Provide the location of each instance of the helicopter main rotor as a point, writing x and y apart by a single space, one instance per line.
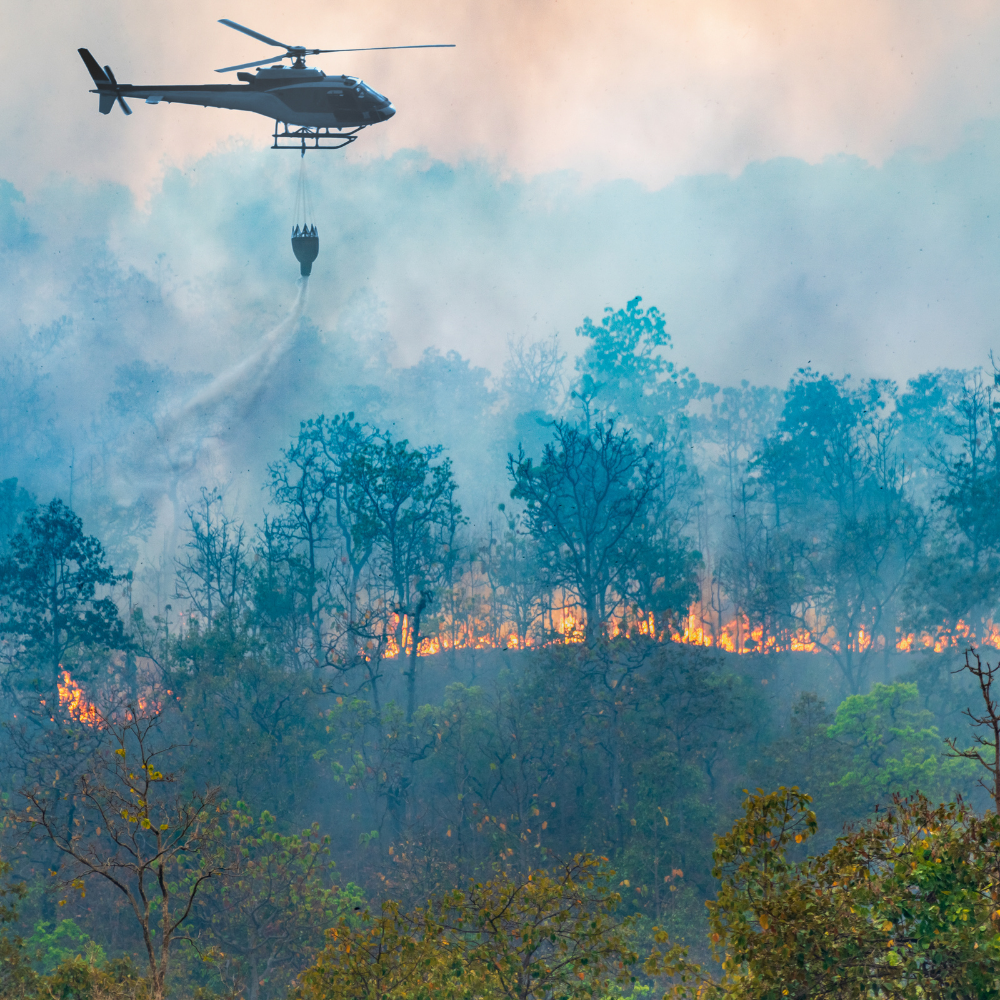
298 53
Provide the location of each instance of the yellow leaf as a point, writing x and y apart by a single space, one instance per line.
764 920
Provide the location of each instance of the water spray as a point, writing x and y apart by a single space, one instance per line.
305 239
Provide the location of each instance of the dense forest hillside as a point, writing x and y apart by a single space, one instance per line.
226 728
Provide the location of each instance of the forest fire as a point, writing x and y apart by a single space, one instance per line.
737 635
74 703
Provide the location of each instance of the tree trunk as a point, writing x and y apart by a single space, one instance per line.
352 622
411 674
254 984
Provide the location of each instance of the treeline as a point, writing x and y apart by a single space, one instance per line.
849 517
853 519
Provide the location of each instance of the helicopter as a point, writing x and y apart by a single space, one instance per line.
310 109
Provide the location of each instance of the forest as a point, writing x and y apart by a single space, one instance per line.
522 687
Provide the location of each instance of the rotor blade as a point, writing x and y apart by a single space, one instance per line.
252 33
259 62
111 76
124 106
378 48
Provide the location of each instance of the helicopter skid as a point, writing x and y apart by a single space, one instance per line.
313 137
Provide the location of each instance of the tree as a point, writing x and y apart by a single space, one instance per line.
213 575
986 752
626 376
844 529
585 504
412 513
623 359
303 484
246 707
952 422
267 912
125 822
392 956
549 933
343 440
553 932
364 519
18 978
327 525
532 374
745 571
894 746
511 566
972 470
902 907
49 584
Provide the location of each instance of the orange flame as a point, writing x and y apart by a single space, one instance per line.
698 627
74 702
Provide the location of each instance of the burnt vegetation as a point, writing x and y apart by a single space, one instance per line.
378 740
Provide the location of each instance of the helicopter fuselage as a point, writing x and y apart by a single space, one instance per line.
293 95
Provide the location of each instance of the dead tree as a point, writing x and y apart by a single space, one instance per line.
986 751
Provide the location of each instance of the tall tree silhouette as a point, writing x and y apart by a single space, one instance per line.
49 604
585 501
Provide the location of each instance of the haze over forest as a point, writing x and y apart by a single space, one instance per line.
565 502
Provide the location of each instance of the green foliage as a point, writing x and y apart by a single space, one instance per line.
49 584
836 529
81 978
624 348
55 943
270 899
122 823
262 741
895 748
552 933
69 974
17 975
555 933
903 907
585 506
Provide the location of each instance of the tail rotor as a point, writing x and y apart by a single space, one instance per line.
108 87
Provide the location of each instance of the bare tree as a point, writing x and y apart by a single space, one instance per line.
533 373
212 575
125 821
986 751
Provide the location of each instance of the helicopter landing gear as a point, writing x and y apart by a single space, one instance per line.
309 137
